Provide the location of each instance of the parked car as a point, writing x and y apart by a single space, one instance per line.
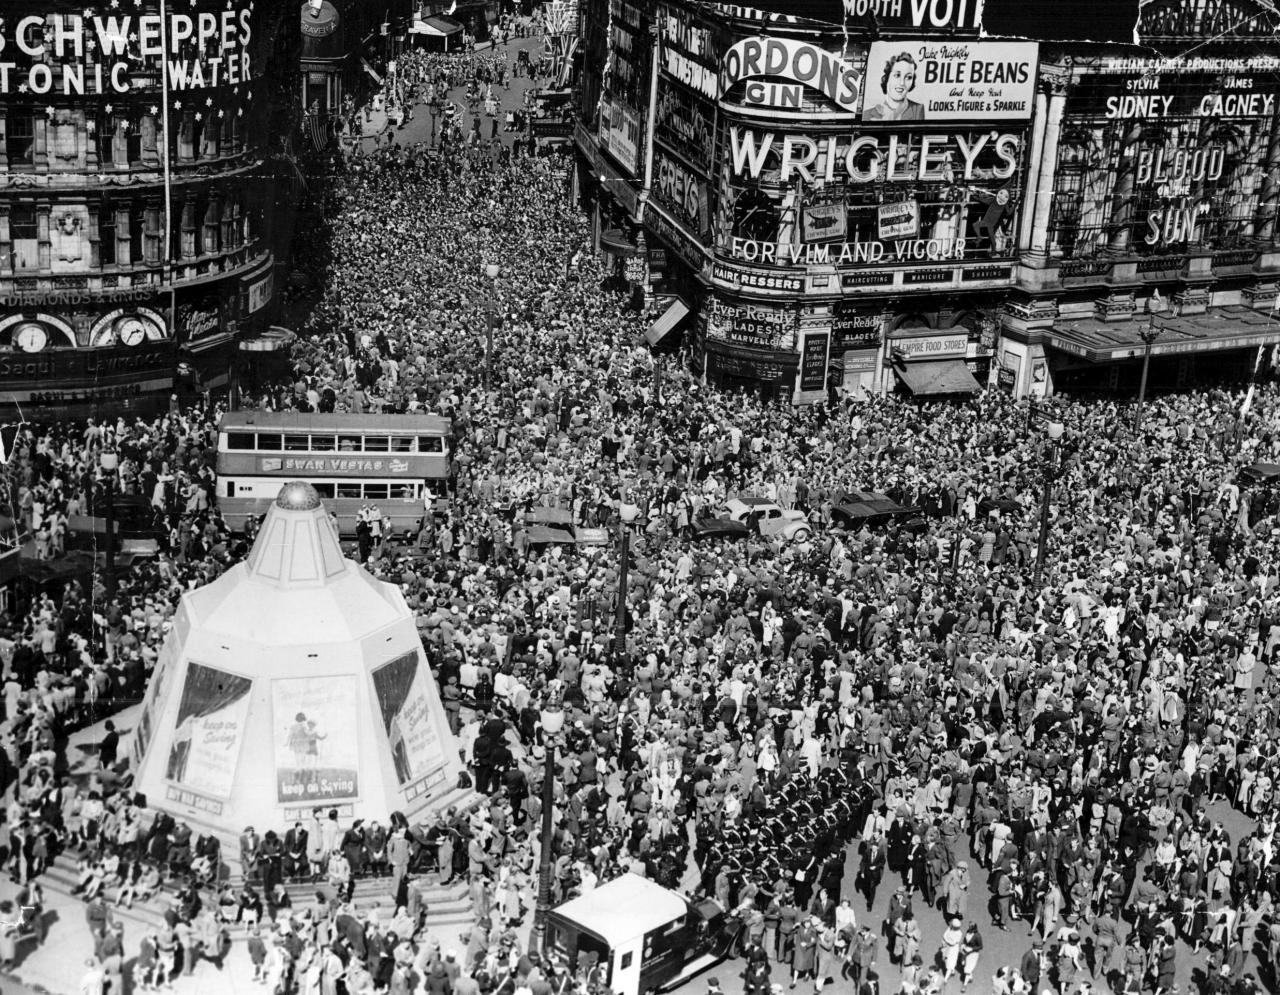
768 518
137 531
1260 473
712 527
854 509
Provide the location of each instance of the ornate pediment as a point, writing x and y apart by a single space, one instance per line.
1207 20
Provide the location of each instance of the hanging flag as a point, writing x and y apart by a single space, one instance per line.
8 440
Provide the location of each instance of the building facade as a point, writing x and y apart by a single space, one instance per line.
141 217
893 196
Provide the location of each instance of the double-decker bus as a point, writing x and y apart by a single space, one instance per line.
398 463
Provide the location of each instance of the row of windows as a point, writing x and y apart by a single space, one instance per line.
121 233
330 489
117 141
325 442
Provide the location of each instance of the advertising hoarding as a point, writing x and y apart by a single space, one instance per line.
824 223
811 383
828 73
404 704
207 730
898 220
758 326
950 81
620 134
315 738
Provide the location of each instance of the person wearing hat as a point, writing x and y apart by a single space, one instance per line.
1106 933
949 954
1032 965
804 961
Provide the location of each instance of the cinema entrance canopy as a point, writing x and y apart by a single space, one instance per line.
1090 354
1216 330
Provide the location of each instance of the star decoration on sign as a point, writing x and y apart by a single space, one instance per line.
208 101
115 4
133 37
51 110
199 116
239 112
22 87
220 112
154 110
109 108
88 13
177 104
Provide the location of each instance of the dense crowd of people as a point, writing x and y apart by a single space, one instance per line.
909 693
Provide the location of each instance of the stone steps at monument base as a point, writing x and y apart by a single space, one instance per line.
446 907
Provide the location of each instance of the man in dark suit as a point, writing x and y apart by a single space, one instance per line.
350 929
295 852
398 858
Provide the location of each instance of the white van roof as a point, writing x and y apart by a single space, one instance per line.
623 909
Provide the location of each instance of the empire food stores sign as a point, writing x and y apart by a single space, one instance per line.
91 54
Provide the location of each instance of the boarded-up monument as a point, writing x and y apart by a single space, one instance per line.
294 681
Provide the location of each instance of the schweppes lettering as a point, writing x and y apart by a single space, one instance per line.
816 68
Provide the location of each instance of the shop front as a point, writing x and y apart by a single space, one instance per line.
854 219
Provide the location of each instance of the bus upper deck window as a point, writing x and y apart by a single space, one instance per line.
430 444
240 442
349 489
375 492
268 441
324 490
402 443
350 443
324 444
376 443
297 443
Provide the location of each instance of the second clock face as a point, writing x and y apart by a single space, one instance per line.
31 337
132 332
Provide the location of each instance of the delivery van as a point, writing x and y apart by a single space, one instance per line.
631 936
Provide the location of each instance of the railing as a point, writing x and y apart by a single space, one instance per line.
1159 264
1070 269
1234 257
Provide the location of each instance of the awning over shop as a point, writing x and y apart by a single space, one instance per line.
616 242
1234 327
945 376
668 320
436 25
272 340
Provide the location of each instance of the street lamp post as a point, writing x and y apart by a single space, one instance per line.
1148 333
620 618
1055 430
109 462
491 270
552 723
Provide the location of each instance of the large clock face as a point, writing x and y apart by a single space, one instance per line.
30 337
132 331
